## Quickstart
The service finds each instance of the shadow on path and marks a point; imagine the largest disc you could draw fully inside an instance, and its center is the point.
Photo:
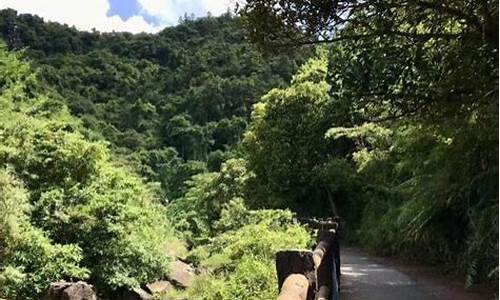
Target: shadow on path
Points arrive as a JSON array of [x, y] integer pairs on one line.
[[367, 278]]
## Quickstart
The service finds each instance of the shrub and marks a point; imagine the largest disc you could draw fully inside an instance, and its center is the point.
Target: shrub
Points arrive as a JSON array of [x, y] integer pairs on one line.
[[86, 218], [29, 260]]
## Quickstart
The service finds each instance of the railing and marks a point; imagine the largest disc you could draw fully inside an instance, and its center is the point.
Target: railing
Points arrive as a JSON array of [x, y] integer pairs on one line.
[[311, 275]]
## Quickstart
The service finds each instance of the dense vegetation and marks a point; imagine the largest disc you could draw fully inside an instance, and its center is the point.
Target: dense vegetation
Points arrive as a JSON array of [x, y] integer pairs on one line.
[[173, 104], [67, 210], [94, 109], [382, 125], [414, 163]]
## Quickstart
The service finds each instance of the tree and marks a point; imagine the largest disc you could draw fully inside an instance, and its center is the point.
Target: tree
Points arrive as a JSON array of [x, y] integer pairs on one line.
[[402, 54], [295, 22], [399, 73], [29, 259], [285, 142]]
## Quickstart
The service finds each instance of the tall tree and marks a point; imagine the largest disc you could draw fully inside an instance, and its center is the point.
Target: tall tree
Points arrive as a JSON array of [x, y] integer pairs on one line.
[[285, 141]]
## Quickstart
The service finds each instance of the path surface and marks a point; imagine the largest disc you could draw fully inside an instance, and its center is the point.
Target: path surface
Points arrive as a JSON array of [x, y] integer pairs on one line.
[[369, 278]]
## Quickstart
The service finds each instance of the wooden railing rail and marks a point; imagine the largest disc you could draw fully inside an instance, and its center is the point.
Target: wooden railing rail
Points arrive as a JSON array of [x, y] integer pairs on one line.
[[311, 275]]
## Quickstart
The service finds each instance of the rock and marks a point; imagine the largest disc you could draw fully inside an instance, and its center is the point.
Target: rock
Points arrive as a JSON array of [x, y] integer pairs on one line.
[[71, 291], [181, 274], [56, 289], [134, 294], [161, 286], [79, 291], [143, 295]]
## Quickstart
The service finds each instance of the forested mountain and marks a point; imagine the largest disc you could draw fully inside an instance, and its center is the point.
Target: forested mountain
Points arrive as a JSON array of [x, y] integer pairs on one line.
[[392, 124], [90, 111], [166, 101]]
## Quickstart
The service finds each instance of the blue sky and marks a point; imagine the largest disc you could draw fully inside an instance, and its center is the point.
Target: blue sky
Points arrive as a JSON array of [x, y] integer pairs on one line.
[[124, 8], [119, 15]]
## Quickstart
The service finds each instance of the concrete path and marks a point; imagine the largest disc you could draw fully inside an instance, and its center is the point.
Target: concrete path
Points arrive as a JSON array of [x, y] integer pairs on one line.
[[367, 278]]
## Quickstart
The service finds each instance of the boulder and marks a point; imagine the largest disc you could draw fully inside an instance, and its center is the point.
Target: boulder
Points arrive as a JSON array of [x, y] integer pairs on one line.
[[134, 294], [79, 291], [181, 274], [56, 289], [71, 291], [160, 286], [142, 294]]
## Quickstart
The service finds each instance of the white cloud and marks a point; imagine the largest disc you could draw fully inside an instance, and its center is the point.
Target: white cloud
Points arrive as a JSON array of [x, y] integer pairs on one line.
[[163, 10], [83, 14], [217, 7], [169, 11], [88, 14]]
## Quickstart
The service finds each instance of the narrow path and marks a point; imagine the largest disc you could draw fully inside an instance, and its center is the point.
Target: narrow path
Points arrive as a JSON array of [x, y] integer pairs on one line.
[[368, 278]]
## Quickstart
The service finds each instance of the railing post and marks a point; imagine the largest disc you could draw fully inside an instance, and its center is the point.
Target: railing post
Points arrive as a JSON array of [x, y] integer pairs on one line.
[[295, 287], [292, 267]]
